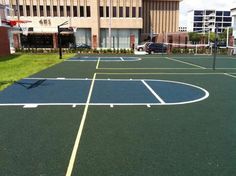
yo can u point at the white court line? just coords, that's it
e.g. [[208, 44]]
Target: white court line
[[185, 63], [232, 76], [78, 137], [121, 58], [98, 63], [153, 92]]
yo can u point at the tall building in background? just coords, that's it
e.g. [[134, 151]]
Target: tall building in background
[[208, 20], [99, 23]]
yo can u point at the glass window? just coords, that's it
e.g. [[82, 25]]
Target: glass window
[[28, 10], [219, 13], [226, 13], [61, 11], [68, 11], [34, 10], [127, 12], [54, 11], [120, 11], [81, 11], [198, 12], [227, 19], [107, 11], [101, 11], [218, 18], [88, 11], [114, 14], [133, 12], [41, 10], [198, 18], [140, 12], [21, 10], [48, 11], [75, 11]]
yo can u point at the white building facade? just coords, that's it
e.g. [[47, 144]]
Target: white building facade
[[203, 21]]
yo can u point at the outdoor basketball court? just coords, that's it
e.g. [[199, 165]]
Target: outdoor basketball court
[[122, 115]]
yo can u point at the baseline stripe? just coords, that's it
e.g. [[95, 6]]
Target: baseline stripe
[[78, 137], [185, 63], [153, 92]]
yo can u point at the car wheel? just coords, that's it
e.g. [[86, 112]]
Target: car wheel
[[140, 49]]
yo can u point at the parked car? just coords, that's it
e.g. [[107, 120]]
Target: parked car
[[80, 46], [156, 48], [143, 46]]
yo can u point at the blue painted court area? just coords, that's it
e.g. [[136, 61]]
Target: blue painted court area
[[105, 92], [104, 59]]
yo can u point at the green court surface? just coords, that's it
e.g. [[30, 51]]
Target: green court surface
[[197, 139]]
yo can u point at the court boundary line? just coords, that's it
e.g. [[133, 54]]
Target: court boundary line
[[153, 92], [187, 63], [79, 134], [97, 66], [232, 76]]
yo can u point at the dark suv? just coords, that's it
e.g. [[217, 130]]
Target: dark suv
[[156, 48]]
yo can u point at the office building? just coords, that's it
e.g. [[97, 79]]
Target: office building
[[208, 20], [99, 23]]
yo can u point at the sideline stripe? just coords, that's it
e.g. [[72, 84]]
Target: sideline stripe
[[185, 63], [153, 92], [98, 61], [77, 141], [232, 76]]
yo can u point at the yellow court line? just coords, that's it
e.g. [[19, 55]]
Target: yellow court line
[[78, 137]]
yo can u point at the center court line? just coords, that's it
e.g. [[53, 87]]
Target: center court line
[[153, 92], [78, 137], [185, 63]]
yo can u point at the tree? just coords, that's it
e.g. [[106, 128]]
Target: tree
[[194, 37]]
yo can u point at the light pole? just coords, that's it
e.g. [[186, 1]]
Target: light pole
[[59, 37]]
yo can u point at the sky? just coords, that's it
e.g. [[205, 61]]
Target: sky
[[187, 5]]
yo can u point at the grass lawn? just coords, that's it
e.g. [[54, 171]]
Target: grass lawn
[[18, 66]]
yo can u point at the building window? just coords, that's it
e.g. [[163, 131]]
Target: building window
[[28, 10], [140, 12], [61, 11], [133, 12], [68, 11], [227, 13], [75, 11], [81, 11], [127, 12], [41, 10], [34, 10], [107, 11], [88, 11], [21, 10], [101, 11], [48, 11], [121, 12], [114, 14], [54, 11]]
